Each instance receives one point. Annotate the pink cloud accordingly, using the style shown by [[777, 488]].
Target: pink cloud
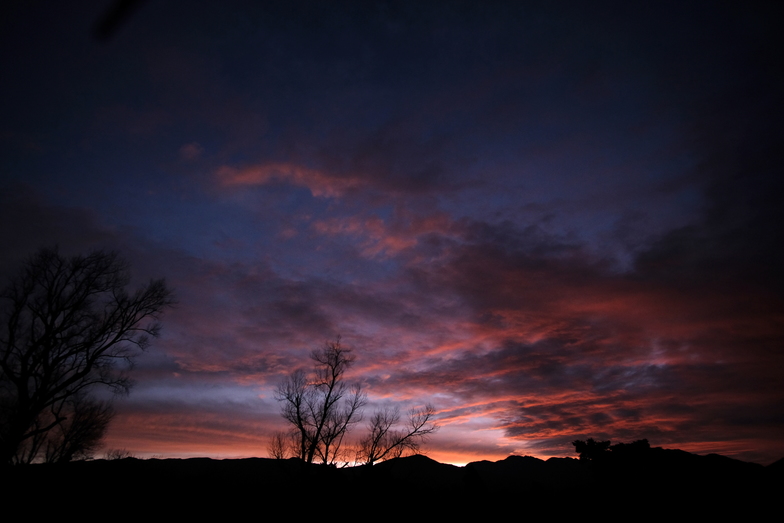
[[380, 238], [317, 182], [376, 240]]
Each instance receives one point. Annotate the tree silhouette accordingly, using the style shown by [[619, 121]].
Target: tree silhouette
[[279, 445], [82, 431], [384, 441], [630, 450], [66, 325], [322, 407], [591, 450]]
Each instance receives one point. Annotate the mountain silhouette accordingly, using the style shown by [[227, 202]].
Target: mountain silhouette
[[657, 480]]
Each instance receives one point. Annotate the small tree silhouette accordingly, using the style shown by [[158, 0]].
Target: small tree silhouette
[[629, 450], [279, 445], [115, 454], [322, 407], [591, 450], [383, 441]]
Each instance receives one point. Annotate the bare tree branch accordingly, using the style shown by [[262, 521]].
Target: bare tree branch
[[278, 445], [66, 325], [384, 442], [322, 409], [81, 432]]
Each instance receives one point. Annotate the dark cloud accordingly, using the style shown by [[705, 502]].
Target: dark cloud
[[31, 223], [671, 350]]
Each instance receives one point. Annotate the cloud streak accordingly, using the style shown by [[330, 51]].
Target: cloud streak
[[318, 183]]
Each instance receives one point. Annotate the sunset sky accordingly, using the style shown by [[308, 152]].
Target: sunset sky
[[551, 220]]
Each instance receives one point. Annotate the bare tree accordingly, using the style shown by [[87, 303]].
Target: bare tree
[[115, 454], [66, 325], [279, 445], [84, 422], [82, 431], [322, 407], [383, 441]]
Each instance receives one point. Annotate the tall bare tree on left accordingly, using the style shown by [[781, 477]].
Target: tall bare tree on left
[[68, 326]]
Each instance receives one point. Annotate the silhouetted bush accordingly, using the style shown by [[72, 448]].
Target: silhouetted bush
[[591, 450]]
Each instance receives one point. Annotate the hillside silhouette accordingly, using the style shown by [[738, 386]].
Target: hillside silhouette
[[657, 480]]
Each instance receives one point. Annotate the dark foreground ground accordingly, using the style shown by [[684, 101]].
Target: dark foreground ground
[[659, 481]]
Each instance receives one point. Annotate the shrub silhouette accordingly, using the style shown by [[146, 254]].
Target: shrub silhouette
[[591, 450]]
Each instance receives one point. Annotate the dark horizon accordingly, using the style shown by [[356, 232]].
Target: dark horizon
[[628, 481]]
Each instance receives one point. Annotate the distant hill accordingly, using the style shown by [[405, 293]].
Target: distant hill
[[656, 480]]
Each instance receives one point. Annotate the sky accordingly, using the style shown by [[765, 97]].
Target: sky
[[550, 220]]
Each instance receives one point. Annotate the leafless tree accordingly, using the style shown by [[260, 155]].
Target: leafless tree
[[66, 324], [322, 407], [279, 445], [84, 423], [82, 431], [115, 454], [384, 441]]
